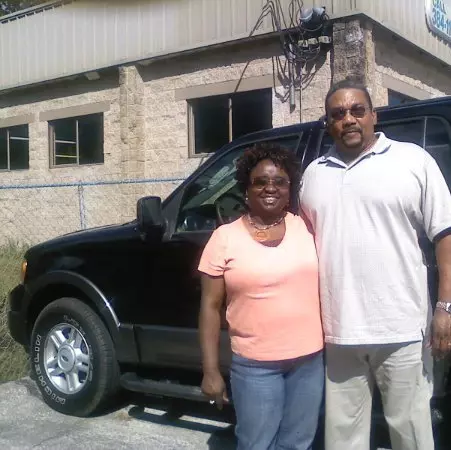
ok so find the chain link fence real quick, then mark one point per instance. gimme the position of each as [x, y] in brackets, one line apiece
[13, 361]
[30, 214]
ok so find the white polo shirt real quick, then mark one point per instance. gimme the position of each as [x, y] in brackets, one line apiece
[367, 217]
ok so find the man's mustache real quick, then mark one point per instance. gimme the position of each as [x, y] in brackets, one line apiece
[351, 130]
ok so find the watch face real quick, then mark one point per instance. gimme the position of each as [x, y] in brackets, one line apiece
[445, 305]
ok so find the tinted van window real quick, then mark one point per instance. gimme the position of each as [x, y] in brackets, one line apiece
[215, 194]
[407, 131]
[438, 144]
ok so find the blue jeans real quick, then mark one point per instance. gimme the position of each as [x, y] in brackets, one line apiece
[277, 403]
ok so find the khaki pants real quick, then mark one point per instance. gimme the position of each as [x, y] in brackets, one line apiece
[403, 376]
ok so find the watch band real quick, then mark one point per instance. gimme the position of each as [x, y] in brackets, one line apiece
[446, 306]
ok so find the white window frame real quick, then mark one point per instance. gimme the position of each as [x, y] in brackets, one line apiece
[54, 141]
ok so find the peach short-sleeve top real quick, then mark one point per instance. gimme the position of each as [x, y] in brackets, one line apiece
[273, 308]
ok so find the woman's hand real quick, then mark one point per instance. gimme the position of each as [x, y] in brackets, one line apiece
[214, 388]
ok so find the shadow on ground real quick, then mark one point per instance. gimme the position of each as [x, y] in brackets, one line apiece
[220, 424]
[207, 419]
[180, 414]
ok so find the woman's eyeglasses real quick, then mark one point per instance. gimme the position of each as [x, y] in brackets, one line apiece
[357, 111]
[277, 182]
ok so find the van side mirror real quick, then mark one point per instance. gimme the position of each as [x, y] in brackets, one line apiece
[150, 214]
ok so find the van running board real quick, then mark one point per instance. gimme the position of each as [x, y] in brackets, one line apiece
[133, 382]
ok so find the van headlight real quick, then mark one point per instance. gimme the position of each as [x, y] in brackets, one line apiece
[23, 271]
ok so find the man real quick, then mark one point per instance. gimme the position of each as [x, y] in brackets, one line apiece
[368, 200]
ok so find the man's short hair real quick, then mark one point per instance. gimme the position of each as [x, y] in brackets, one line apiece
[348, 83]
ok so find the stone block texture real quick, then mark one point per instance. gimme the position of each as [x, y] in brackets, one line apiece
[349, 51]
[366, 54]
[167, 118]
[405, 63]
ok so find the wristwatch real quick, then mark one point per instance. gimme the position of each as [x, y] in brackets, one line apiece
[446, 306]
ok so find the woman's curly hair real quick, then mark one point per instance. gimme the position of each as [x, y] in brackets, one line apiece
[281, 157]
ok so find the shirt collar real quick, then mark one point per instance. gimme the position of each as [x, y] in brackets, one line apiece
[382, 145]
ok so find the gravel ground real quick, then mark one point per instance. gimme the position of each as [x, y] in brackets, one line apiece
[26, 422]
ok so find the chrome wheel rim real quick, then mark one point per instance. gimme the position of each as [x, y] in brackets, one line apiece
[66, 358]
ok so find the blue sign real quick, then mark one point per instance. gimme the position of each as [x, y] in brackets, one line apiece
[438, 17]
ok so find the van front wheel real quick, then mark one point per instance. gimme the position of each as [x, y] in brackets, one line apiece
[73, 359]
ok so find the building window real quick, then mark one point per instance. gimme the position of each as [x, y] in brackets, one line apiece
[396, 98]
[217, 120]
[14, 148]
[76, 140]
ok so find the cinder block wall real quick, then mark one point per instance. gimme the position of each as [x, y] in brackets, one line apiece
[145, 135]
[415, 73]
[382, 61]
[167, 82]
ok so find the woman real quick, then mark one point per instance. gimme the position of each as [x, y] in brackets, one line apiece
[265, 265]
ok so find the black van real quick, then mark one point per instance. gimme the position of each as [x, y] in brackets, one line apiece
[117, 306]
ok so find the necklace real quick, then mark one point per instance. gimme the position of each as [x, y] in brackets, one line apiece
[261, 232]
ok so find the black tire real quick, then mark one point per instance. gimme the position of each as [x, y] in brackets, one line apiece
[100, 376]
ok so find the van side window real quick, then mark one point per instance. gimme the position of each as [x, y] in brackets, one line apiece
[326, 144]
[438, 144]
[405, 131]
[214, 197]
[431, 133]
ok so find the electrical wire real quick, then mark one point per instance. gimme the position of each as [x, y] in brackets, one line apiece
[293, 33]
[299, 51]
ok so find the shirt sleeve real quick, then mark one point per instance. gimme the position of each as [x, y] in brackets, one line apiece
[301, 191]
[303, 209]
[436, 200]
[213, 259]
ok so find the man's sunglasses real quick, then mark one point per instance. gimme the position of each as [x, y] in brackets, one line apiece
[263, 182]
[357, 111]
